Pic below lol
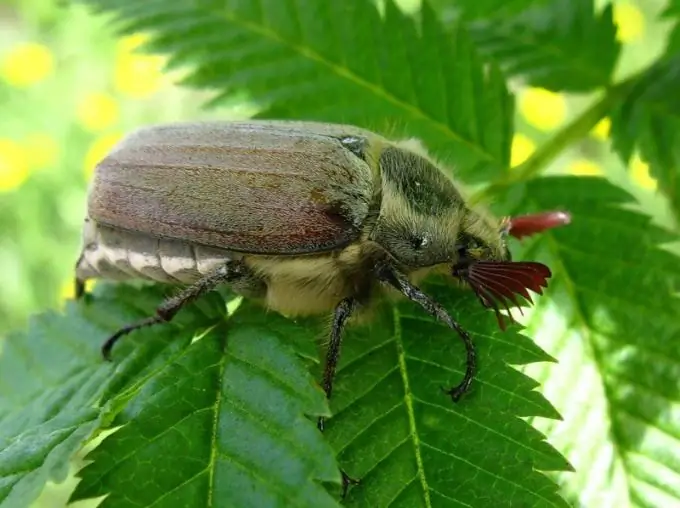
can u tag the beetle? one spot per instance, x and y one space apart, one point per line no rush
306 217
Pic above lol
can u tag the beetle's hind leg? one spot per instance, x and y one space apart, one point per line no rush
343 311
78 288
233 272
78 283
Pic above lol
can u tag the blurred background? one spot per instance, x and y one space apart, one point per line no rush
69 89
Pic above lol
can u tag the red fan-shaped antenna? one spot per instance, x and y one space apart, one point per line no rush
497 283
527 225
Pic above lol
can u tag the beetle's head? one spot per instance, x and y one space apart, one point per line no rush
485 264
480 239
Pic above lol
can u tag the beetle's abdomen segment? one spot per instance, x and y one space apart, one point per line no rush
119 255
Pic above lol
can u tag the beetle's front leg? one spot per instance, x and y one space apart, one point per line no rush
343 311
233 272
392 276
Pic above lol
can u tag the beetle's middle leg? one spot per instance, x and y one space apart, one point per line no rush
233 272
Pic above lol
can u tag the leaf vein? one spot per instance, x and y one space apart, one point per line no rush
214 431
479 381
347 73
489 472
408 399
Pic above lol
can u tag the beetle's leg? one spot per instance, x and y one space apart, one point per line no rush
342 313
233 272
79 288
398 280
78 284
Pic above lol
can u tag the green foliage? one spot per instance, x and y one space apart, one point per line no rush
648 119
394 428
476 9
341 62
228 410
553 46
630 329
220 409
172 399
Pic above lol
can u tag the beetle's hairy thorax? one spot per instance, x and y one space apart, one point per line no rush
315 284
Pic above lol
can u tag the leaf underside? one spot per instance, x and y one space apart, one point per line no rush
617 335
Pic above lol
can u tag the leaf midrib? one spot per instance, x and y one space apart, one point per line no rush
215 429
408 402
580 323
344 72
413 429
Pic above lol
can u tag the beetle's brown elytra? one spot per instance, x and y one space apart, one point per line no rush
305 217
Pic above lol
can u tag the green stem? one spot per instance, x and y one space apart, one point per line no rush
578 128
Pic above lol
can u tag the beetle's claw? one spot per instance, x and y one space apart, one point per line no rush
346 482
456 392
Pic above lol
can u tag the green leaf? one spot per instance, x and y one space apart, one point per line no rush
672 13
221 417
175 401
223 422
611 317
672 9
53 387
474 9
648 120
49 391
553 46
410 445
339 62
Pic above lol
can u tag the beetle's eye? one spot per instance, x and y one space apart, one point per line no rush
418 242
462 251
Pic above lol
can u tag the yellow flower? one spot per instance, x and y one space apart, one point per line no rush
68 290
542 108
522 148
601 129
129 43
98 150
139 76
584 167
97 111
42 150
639 172
26 64
14 165
630 22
